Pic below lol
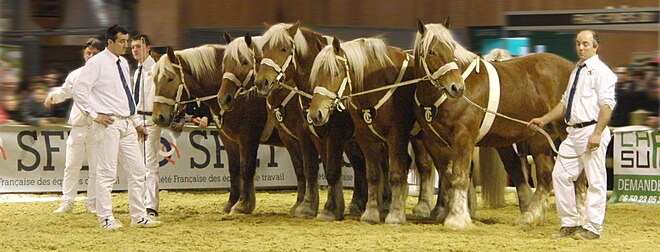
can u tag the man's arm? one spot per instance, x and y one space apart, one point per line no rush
62 93
83 87
605 91
555 114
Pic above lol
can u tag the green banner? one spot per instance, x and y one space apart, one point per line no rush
636 165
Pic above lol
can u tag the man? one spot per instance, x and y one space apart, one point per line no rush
145 90
586 107
32 110
102 91
79 144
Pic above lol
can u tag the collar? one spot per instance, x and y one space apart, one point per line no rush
111 55
590 62
148 62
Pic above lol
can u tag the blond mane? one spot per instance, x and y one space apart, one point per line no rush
358 54
278 33
442 34
237 48
201 60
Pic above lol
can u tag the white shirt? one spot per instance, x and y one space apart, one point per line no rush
61 94
595 87
147 89
99 88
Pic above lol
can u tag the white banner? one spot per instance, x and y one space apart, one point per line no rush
32 160
636 165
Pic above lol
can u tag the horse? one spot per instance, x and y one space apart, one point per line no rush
530 85
193 75
383 120
291 51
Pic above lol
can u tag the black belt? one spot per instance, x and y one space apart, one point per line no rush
584 124
145 113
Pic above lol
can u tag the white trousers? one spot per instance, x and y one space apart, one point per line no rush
119 141
152 148
566 171
79 146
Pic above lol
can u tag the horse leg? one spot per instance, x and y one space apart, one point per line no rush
580 185
441 157
424 165
513 166
248 150
234 172
359 199
374 160
399 161
295 154
543 158
310 205
458 215
334 207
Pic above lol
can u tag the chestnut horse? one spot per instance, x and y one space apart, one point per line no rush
298 47
383 120
530 86
193 75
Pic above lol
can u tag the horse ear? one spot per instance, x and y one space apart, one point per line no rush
248 38
266 25
294 28
335 44
227 37
319 43
447 22
171 56
420 26
155 55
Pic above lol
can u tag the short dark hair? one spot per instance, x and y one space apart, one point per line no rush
147 41
112 31
94 43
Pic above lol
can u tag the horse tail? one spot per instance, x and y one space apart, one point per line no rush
493 177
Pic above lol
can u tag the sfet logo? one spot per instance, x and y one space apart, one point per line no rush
168 149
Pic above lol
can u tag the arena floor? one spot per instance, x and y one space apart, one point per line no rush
193 222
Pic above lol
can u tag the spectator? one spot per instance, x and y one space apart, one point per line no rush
9 104
625 95
33 111
198 115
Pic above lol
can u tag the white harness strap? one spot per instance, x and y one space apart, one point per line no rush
493 100
309 120
280 115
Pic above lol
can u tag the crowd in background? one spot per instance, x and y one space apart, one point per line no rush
637 91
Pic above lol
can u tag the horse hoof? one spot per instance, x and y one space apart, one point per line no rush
305 212
396 219
454 222
227 207
354 210
422 210
371 216
240 209
326 215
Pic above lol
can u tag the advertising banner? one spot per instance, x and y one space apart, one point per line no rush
32 160
636 165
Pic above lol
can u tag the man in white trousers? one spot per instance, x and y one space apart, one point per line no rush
102 90
145 90
586 107
79 144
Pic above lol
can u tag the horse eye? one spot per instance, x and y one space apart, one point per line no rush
245 62
170 79
432 53
283 49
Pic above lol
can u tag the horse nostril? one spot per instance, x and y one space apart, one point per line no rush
161 119
319 116
262 84
453 88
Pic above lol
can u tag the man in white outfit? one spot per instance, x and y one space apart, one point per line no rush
79 144
586 107
145 90
102 91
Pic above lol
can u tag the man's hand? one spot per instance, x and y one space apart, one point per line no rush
142 133
104 119
177 127
49 101
202 122
536 123
594 142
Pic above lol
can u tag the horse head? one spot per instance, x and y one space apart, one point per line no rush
279 56
167 78
239 67
435 54
330 75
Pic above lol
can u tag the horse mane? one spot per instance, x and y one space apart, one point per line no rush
278 33
201 60
498 54
438 31
237 48
358 54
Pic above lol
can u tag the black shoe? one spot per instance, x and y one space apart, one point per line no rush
584 234
152 212
566 232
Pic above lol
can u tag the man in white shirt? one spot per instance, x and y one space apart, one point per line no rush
79 144
102 91
145 90
586 107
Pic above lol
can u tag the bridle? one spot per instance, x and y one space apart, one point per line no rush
339 97
281 70
176 102
243 84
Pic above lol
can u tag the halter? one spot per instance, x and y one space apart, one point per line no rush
337 98
281 71
182 86
242 84
433 77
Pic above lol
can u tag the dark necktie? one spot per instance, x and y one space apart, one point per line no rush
136 90
131 104
567 117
